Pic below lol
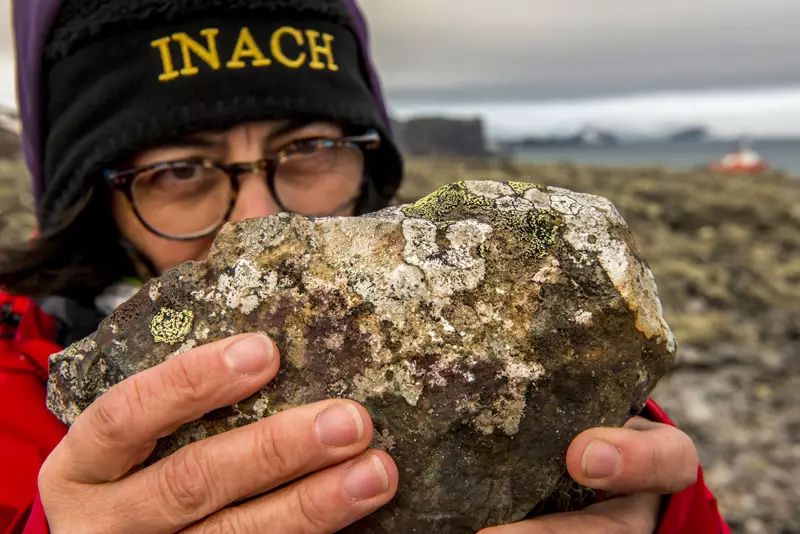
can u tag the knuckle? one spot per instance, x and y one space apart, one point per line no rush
184 377
314 516
655 464
672 462
184 484
228 521
111 420
274 452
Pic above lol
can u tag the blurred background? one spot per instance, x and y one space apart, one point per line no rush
686 115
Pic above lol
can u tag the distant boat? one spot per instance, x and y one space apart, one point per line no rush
742 160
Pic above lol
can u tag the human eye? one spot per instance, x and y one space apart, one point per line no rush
311 155
179 180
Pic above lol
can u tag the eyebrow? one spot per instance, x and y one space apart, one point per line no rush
204 141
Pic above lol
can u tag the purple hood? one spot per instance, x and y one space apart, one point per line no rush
32 22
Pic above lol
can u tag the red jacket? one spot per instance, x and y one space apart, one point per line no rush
28 431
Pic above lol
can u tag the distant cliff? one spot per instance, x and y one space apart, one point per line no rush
435 136
587 136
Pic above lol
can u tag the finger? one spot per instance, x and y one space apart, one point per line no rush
319 504
659 459
120 429
208 475
635 514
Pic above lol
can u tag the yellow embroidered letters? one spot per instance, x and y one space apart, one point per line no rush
246 47
317 50
289 47
277 51
166 58
189 45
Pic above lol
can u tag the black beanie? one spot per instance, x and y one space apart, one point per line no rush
127 75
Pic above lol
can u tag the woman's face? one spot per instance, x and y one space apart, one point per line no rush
244 143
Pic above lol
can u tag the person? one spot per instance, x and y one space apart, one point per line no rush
147 126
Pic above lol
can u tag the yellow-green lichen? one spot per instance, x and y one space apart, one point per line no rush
171 326
537 229
520 187
438 204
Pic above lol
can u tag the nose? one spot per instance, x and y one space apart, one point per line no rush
254 198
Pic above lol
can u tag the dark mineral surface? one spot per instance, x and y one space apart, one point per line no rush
483 327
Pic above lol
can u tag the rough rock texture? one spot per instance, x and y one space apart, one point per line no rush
726 252
483 327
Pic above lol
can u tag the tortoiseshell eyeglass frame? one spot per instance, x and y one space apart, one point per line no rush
123 180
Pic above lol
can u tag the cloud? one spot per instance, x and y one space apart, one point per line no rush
526 50
763 113
493 54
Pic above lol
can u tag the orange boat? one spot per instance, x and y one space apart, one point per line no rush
743 160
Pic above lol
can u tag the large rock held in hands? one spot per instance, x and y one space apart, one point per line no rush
483 327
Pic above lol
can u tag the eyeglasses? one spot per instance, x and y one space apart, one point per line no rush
191 199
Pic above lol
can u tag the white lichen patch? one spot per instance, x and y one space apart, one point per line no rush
371 272
203 331
446 326
76 353
261 407
445 362
405 282
186 347
549 273
244 290
508 407
449 270
490 190
70 365
57 403
335 341
565 204
398 379
120 345
513 204
153 291
584 318
383 440
540 198
593 227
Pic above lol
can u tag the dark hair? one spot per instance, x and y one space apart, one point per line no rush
76 259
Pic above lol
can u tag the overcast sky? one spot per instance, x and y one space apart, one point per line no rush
581 60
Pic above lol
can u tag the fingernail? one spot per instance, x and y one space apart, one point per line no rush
339 426
366 479
601 460
249 356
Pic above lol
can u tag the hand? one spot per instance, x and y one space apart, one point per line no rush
89 482
641 462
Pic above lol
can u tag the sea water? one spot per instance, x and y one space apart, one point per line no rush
780 155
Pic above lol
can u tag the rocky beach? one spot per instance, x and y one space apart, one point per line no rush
725 251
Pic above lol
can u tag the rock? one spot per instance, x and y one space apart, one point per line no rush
483 327
439 136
